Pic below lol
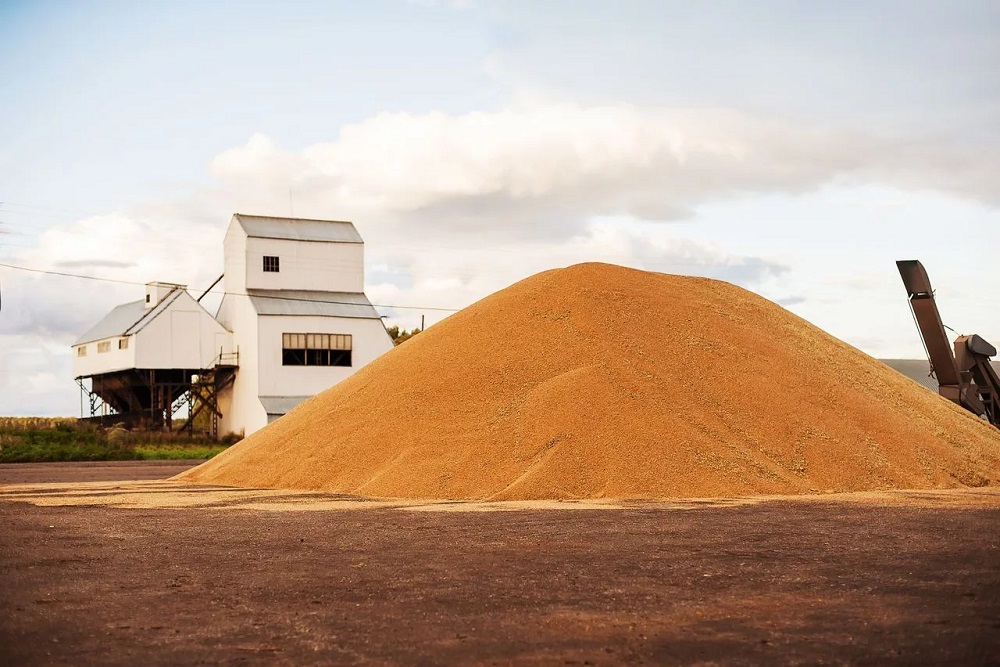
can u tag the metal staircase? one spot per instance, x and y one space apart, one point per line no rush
205 389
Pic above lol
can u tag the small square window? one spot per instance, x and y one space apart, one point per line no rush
104 346
123 343
81 351
270 264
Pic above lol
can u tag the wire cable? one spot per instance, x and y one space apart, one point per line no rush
66 274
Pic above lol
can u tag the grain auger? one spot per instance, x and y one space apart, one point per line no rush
965 376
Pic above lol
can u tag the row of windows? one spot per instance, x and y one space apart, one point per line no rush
297 349
300 349
103 346
316 341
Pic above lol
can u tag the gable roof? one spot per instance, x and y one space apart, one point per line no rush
128 318
297 229
301 302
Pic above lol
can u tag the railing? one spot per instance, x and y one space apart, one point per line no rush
231 359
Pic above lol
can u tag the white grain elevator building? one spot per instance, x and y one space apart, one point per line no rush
300 319
293 321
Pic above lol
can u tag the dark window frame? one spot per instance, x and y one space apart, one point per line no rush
272 264
317 349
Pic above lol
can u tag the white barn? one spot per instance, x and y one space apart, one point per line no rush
293 321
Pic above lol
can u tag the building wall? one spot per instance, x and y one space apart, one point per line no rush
241 408
306 265
95 362
183 336
370 340
235 259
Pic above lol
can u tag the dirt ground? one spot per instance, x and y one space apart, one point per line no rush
90 471
151 573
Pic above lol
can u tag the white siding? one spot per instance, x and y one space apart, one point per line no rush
241 408
370 340
183 336
96 362
306 265
235 259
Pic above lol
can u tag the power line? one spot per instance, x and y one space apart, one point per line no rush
69 275
66 274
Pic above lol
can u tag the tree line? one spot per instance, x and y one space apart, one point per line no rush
401 335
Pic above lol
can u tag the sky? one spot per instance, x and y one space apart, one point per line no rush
794 148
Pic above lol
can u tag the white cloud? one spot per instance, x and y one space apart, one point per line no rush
619 159
551 165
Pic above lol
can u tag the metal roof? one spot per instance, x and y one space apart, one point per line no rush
298 229
280 405
127 319
919 370
114 323
915 369
325 304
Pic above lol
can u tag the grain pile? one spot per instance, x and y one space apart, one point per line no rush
598 381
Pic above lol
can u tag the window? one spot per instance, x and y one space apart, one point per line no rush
104 346
270 264
81 351
147 298
299 349
123 343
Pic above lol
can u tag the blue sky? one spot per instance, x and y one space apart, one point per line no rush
795 148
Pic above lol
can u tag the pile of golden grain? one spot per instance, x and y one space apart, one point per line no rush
598 381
